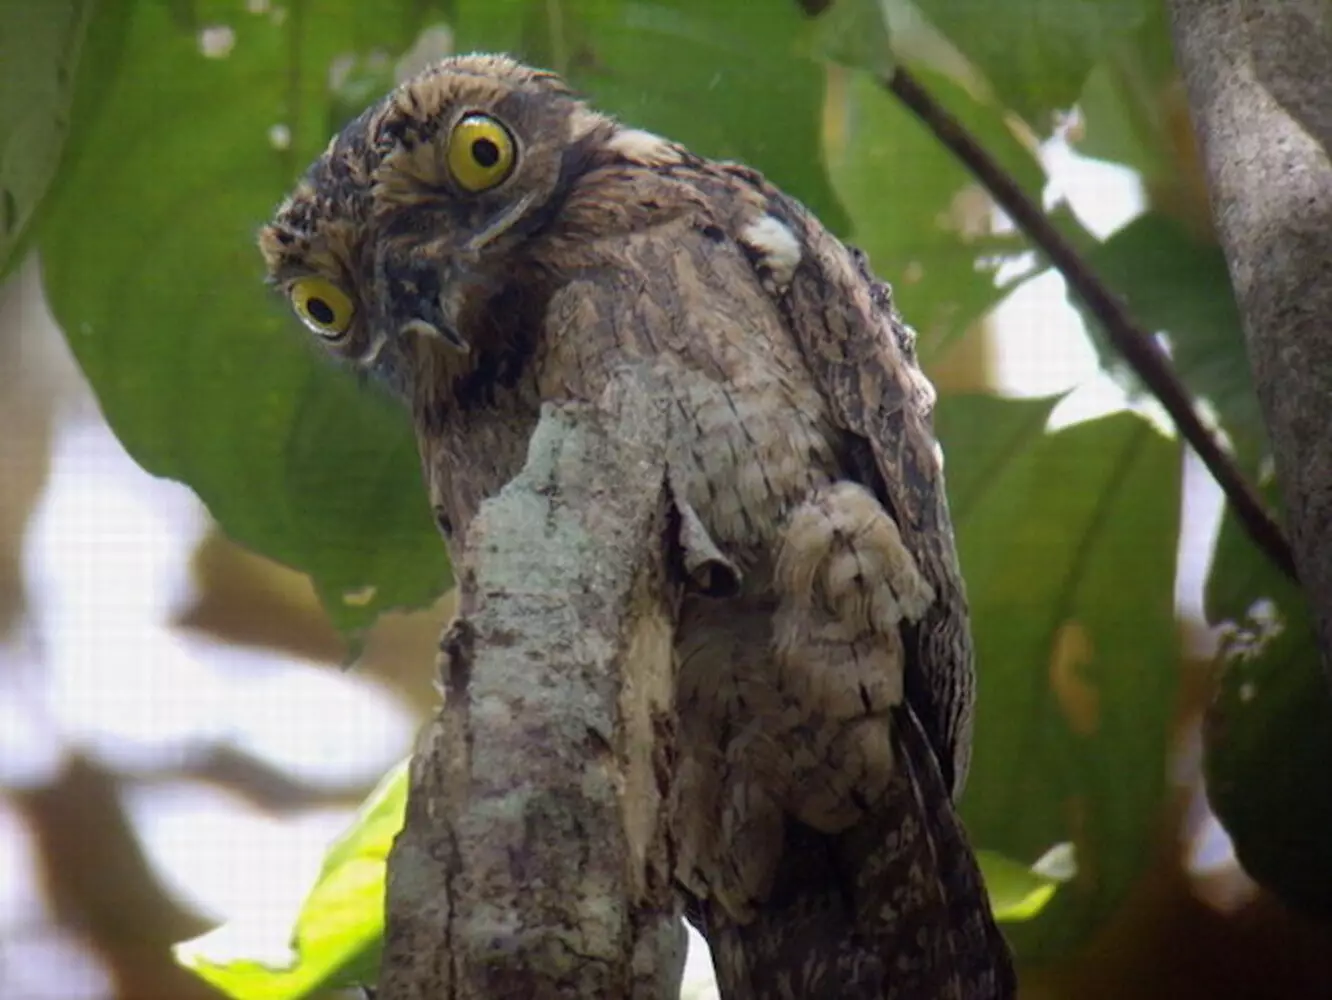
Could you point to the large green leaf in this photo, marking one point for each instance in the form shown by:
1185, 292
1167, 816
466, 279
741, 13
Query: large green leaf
151, 269
1067, 543
729, 80
1036, 53
1176, 283
1269, 732
906, 195
40, 48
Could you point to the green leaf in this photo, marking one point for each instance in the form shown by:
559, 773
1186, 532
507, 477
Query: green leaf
1175, 283
40, 48
1016, 892
151, 269
1268, 736
1067, 543
1124, 101
339, 931
907, 197
729, 80
1036, 53
854, 33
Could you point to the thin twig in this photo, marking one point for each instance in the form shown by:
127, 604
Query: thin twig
1138, 347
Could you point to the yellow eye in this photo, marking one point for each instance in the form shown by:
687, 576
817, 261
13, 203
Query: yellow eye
481, 153
322, 306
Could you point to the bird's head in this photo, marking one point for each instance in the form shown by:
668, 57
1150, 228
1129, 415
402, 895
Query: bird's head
411, 217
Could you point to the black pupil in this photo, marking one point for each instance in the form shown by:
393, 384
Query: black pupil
485, 152
320, 311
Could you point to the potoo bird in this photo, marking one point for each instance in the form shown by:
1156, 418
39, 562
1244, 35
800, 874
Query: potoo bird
482, 241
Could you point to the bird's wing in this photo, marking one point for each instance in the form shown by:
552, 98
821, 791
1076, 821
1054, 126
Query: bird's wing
861, 354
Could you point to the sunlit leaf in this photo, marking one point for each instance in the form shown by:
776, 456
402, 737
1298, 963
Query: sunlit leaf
152, 272
1016, 892
1067, 544
339, 932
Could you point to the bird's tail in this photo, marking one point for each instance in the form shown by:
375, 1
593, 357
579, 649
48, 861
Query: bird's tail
892, 909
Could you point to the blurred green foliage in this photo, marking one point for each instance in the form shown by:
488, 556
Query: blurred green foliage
1067, 540
1269, 734
177, 126
40, 49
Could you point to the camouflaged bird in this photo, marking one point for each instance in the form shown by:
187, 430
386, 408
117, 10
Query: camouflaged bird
482, 241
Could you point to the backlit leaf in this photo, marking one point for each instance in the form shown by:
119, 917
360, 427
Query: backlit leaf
152, 272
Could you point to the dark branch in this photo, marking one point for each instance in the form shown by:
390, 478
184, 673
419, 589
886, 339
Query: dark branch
1138, 347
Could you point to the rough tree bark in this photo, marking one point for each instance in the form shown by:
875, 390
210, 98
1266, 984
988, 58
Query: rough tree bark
1259, 77
533, 861
536, 861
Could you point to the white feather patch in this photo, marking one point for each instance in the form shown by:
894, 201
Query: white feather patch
644, 147
776, 245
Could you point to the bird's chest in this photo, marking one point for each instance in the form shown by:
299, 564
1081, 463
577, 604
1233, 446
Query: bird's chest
468, 455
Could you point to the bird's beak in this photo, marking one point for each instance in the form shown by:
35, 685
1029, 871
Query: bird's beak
446, 333
500, 225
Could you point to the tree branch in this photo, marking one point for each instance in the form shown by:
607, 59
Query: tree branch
1138, 347
102, 886
533, 862
1261, 99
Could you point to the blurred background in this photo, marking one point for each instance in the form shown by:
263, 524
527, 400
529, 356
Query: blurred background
179, 741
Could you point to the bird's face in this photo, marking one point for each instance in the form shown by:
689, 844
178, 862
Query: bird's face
415, 211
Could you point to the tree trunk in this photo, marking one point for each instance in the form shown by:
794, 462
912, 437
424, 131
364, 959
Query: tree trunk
533, 862
1259, 78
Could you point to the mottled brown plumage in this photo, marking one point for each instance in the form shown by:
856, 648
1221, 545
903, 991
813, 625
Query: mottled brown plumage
800, 431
